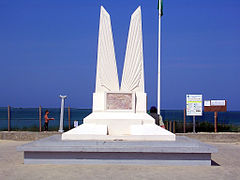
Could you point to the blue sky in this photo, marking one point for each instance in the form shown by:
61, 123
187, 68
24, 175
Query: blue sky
49, 48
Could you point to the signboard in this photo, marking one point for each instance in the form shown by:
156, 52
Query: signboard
217, 102
75, 123
194, 104
215, 105
207, 103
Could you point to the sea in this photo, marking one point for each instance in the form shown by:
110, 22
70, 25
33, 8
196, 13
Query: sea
28, 118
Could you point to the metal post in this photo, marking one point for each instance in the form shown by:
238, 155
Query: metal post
170, 124
184, 121
194, 131
62, 112
9, 117
167, 125
215, 122
69, 116
40, 118
159, 55
174, 127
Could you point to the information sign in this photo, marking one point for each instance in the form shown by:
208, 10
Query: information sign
194, 104
217, 102
75, 123
215, 105
207, 103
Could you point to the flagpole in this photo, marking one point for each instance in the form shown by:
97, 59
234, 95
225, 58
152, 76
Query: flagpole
159, 49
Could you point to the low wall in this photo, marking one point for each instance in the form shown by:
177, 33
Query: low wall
204, 137
226, 137
25, 135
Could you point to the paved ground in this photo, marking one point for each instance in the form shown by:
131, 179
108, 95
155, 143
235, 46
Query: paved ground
12, 167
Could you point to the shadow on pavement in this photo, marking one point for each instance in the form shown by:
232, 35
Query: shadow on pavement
213, 163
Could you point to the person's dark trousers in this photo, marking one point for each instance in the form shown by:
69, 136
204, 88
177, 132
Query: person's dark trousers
46, 126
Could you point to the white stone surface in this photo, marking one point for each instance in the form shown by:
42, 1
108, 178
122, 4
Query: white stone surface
98, 102
152, 129
133, 71
141, 104
106, 76
85, 129
117, 137
118, 123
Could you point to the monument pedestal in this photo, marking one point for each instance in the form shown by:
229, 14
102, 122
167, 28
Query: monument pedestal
53, 150
119, 125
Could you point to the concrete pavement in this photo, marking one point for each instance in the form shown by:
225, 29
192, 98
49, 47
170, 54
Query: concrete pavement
12, 167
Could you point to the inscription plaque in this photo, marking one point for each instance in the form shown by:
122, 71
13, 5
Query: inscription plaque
119, 101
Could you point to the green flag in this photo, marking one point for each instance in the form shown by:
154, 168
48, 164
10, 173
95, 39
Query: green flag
161, 6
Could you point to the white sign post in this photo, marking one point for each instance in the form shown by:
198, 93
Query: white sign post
194, 106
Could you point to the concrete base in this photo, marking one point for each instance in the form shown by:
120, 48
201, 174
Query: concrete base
53, 150
118, 123
87, 129
146, 132
127, 126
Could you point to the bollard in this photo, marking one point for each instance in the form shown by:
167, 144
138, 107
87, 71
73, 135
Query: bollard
9, 117
174, 130
40, 118
170, 124
215, 122
184, 121
69, 116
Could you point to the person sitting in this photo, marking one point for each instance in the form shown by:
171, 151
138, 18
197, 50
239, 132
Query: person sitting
158, 119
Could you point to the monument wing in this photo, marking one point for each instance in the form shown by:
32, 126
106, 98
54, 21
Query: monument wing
133, 74
107, 76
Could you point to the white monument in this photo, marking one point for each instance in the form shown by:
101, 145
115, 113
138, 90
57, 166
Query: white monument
62, 112
119, 113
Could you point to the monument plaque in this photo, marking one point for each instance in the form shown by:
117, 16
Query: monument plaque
119, 101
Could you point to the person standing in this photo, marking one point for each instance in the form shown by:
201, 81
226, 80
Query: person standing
46, 120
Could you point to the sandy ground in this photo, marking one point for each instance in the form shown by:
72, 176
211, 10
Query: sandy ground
227, 167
